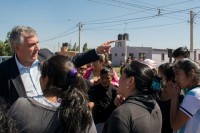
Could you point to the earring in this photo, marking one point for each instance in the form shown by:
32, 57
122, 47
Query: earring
127, 85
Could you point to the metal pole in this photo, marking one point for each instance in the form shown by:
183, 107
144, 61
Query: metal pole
125, 53
191, 36
79, 40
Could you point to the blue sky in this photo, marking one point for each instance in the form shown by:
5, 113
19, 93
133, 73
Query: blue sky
103, 20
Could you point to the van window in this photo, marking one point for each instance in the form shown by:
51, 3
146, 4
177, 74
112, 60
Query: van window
3, 58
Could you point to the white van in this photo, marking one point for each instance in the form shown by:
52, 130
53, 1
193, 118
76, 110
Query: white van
3, 58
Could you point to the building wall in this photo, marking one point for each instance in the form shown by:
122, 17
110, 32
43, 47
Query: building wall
117, 54
197, 55
157, 56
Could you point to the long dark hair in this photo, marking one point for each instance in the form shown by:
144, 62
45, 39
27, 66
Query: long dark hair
187, 65
167, 70
7, 125
144, 78
64, 83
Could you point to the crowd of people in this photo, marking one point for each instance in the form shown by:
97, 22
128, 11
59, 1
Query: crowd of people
43, 92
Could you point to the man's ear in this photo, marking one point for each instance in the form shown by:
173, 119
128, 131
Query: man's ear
13, 47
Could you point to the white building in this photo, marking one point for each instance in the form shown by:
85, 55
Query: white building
122, 50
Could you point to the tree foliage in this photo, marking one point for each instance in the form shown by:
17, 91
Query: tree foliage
5, 47
85, 48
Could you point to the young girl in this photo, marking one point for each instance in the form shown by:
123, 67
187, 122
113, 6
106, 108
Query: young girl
93, 73
186, 117
166, 73
64, 106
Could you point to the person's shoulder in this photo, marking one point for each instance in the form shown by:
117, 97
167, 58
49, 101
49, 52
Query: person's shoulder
194, 92
112, 87
22, 101
122, 112
96, 87
8, 64
44, 54
89, 69
8, 61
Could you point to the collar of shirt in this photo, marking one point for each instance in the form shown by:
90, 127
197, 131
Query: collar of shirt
21, 67
43, 100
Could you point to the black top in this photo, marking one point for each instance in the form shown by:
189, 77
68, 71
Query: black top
103, 99
137, 114
165, 109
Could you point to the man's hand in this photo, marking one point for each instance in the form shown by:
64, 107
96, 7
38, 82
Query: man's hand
118, 100
104, 48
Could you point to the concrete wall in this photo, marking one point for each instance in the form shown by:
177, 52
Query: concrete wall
117, 54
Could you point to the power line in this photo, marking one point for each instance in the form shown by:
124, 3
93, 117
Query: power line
139, 18
124, 20
145, 27
58, 36
110, 4
148, 8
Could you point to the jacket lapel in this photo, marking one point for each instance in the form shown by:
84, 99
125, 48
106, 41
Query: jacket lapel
15, 77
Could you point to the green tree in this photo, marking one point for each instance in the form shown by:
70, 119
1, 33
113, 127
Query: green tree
2, 51
69, 47
5, 48
77, 48
74, 47
85, 48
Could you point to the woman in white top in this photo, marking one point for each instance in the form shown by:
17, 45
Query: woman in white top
186, 117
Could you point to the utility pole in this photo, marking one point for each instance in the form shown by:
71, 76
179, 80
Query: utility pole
125, 51
79, 38
58, 46
191, 35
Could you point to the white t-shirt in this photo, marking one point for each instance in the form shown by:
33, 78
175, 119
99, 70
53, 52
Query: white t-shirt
191, 107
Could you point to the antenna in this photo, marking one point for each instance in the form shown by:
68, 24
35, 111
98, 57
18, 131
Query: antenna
125, 27
159, 12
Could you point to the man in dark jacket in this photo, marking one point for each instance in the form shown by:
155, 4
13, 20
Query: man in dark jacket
20, 74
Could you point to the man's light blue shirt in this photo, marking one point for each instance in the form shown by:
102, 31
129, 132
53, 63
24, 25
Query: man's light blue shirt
31, 78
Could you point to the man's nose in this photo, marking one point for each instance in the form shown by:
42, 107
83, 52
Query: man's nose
37, 46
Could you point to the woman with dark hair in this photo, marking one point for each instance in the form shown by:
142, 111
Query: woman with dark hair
185, 118
139, 112
64, 106
166, 73
180, 53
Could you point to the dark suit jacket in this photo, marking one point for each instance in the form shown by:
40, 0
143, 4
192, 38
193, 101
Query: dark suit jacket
11, 85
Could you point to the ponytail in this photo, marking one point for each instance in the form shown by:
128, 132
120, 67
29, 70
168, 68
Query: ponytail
74, 110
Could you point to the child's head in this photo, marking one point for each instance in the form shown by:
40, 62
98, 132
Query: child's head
106, 76
181, 52
166, 72
55, 73
187, 73
82, 70
152, 64
98, 64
